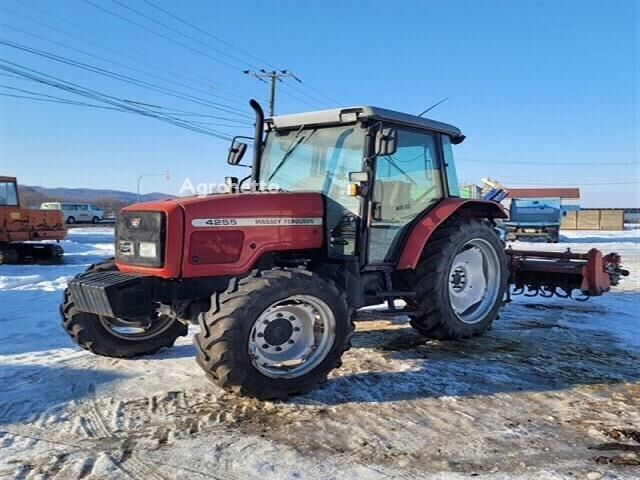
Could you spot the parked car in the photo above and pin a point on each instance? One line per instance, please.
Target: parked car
(76, 212)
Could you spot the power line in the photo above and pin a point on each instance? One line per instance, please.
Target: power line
(37, 96)
(274, 77)
(55, 82)
(274, 68)
(161, 64)
(125, 78)
(536, 162)
(177, 42)
(89, 54)
(208, 34)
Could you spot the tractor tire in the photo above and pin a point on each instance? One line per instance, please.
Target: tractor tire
(450, 308)
(9, 256)
(274, 333)
(97, 334)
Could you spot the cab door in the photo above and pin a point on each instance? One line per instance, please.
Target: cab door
(406, 183)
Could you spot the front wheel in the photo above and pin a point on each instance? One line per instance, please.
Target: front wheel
(461, 281)
(113, 337)
(95, 220)
(274, 334)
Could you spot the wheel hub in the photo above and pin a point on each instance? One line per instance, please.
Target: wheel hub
(278, 331)
(292, 336)
(474, 281)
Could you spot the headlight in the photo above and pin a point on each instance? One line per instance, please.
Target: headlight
(147, 249)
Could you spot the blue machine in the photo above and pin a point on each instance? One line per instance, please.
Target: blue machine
(540, 217)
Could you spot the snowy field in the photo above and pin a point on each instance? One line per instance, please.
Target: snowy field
(552, 391)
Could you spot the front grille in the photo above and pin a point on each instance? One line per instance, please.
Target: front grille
(136, 227)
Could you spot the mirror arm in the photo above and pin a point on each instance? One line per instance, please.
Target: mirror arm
(259, 134)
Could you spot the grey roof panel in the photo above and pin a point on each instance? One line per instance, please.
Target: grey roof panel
(350, 114)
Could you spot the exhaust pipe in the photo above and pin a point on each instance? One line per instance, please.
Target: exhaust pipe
(258, 136)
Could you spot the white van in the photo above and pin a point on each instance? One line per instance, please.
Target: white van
(76, 212)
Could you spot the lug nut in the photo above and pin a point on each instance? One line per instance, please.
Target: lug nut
(260, 334)
(265, 346)
(296, 329)
(278, 349)
(292, 318)
(291, 342)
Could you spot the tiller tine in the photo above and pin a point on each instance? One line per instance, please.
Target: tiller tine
(560, 273)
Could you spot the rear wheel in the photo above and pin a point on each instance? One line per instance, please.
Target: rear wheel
(113, 337)
(274, 334)
(461, 281)
(71, 220)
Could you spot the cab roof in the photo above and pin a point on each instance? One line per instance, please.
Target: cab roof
(352, 114)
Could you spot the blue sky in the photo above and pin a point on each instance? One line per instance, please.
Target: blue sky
(546, 92)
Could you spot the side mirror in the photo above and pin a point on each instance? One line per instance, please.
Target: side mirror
(236, 152)
(386, 143)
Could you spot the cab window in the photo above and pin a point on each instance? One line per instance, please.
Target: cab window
(8, 194)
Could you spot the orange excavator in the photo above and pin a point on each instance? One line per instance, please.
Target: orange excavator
(21, 229)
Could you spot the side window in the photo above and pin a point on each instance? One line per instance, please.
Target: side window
(68, 206)
(83, 208)
(406, 184)
(450, 166)
(8, 194)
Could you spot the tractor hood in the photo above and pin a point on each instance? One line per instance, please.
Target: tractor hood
(222, 234)
(253, 209)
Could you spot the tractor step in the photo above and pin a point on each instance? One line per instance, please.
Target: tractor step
(394, 312)
(385, 295)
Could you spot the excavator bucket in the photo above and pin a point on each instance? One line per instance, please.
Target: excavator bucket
(561, 273)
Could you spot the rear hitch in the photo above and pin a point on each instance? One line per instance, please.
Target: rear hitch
(558, 274)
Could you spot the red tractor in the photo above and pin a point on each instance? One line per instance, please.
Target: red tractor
(347, 208)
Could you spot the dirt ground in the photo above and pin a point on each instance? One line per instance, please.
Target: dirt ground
(552, 391)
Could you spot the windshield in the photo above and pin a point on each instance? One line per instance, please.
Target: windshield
(312, 159)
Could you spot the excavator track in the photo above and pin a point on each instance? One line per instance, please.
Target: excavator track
(21, 253)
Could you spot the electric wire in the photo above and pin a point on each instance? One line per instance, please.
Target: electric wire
(97, 57)
(55, 82)
(160, 64)
(125, 78)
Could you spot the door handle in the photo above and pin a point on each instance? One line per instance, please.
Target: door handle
(376, 211)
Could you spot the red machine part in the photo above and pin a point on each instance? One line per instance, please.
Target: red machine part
(420, 234)
(592, 273)
(259, 223)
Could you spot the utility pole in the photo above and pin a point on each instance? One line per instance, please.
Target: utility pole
(273, 76)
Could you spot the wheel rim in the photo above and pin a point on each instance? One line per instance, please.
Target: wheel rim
(474, 281)
(292, 336)
(136, 330)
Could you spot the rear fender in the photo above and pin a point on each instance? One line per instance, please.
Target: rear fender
(447, 208)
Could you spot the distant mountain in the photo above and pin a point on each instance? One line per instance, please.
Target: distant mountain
(92, 195)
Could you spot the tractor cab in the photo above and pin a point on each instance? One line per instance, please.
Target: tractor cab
(368, 162)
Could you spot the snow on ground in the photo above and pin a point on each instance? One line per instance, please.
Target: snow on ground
(551, 392)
